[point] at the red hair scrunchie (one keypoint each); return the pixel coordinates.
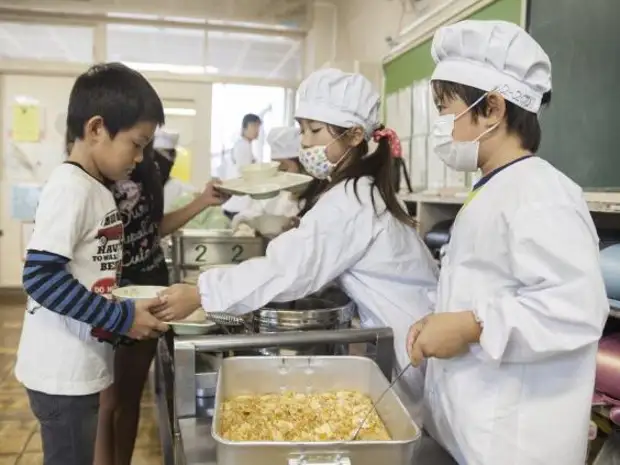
(395, 147)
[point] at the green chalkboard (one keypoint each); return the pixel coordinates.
(581, 127)
(417, 63)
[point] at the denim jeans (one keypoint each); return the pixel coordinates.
(68, 427)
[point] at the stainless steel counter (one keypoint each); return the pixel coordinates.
(186, 438)
(198, 445)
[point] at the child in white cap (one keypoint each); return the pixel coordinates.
(357, 232)
(270, 217)
(165, 146)
(521, 303)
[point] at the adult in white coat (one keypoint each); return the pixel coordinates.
(242, 155)
(357, 232)
(271, 216)
(521, 302)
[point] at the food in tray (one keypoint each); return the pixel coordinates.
(291, 416)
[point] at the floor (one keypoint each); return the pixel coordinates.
(20, 442)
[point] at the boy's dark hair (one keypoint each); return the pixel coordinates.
(117, 93)
(521, 122)
(249, 119)
(377, 165)
(149, 175)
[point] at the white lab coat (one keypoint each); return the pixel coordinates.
(380, 263)
(241, 156)
(524, 255)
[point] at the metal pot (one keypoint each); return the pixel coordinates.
(307, 314)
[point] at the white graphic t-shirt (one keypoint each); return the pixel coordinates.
(76, 218)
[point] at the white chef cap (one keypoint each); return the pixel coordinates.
(285, 143)
(493, 55)
(165, 140)
(342, 99)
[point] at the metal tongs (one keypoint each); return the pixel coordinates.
(226, 320)
(374, 404)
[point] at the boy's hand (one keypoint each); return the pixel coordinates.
(177, 302)
(442, 335)
(145, 325)
(210, 196)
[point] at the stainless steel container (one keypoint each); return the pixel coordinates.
(251, 375)
(307, 314)
(303, 315)
(193, 248)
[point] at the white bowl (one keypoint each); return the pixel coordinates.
(256, 172)
(184, 328)
(137, 292)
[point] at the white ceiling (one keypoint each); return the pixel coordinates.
(226, 53)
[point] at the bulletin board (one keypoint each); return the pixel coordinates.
(580, 127)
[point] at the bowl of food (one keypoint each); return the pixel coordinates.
(137, 292)
(257, 172)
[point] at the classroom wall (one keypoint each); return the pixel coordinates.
(320, 44)
(363, 26)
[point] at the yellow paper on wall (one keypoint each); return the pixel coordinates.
(181, 169)
(26, 124)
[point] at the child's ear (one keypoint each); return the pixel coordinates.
(94, 129)
(355, 136)
(496, 108)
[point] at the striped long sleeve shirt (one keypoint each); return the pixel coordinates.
(48, 282)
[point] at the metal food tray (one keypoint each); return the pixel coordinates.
(252, 375)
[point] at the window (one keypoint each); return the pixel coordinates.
(150, 48)
(230, 103)
(46, 42)
(191, 50)
(253, 55)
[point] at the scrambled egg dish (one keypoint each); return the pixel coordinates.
(328, 416)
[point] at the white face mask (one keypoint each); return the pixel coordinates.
(458, 155)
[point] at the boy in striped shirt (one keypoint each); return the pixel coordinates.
(73, 258)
